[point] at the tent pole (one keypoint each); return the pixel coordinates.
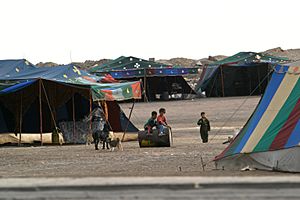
(222, 80)
(145, 86)
(259, 85)
(90, 125)
(41, 112)
(21, 118)
(73, 113)
(129, 117)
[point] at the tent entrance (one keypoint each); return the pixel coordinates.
(230, 80)
(165, 87)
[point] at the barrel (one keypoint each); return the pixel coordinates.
(153, 140)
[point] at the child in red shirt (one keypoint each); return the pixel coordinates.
(162, 121)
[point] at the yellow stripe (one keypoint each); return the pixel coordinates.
(281, 95)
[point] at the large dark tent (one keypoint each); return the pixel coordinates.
(39, 99)
(242, 74)
(158, 79)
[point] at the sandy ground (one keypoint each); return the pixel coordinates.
(183, 159)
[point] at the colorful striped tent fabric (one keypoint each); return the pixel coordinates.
(271, 137)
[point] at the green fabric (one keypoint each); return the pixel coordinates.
(250, 57)
(120, 91)
(123, 63)
(282, 116)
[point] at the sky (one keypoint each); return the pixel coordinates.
(62, 31)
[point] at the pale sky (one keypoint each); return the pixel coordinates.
(52, 30)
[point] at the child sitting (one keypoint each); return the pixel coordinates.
(151, 122)
(162, 121)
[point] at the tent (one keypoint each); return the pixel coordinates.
(242, 74)
(157, 78)
(271, 137)
(38, 99)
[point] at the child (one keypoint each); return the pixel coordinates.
(151, 122)
(162, 121)
(204, 127)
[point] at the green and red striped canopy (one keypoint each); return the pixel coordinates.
(275, 123)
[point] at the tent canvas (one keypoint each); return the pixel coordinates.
(242, 74)
(157, 78)
(270, 139)
(32, 96)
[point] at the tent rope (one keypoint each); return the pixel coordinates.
(237, 109)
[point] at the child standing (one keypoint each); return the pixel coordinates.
(162, 121)
(204, 127)
(151, 122)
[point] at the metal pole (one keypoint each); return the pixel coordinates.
(41, 112)
(222, 80)
(129, 117)
(74, 123)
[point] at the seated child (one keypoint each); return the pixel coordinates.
(162, 121)
(151, 122)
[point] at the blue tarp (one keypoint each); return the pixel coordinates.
(65, 73)
(11, 68)
(17, 87)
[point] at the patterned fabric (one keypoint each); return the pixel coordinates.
(130, 67)
(275, 124)
(21, 73)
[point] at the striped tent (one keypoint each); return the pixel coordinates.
(271, 137)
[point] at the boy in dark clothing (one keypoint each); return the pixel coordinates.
(151, 122)
(204, 127)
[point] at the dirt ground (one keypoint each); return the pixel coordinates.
(183, 159)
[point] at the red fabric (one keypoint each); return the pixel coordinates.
(287, 129)
(161, 119)
(136, 90)
(109, 79)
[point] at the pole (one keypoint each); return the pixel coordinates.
(222, 80)
(41, 112)
(129, 117)
(74, 123)
(21, 118)
(90, 125)
(145, 86)
(258, 74)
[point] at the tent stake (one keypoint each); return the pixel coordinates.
(202, 163)
(41, 112)
(123, 137)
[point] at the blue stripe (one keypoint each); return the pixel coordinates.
(294, 138)
(16, 87)
(270, 92)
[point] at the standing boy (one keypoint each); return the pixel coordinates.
(204, 127)
(162, 121)
(151, 122)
